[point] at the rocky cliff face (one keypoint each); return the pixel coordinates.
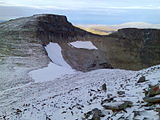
(149, 44)
(53, 28)
(132, 48)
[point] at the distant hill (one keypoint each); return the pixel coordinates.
(107, 29)
(97, 29)
(1, 21)
(136, 25)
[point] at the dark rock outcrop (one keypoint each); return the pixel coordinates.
(155, 99)
(153, 90)
(54, 28)
(95, 113)
(142, 79)
(132, 48)
(153, 94)
(84, 59)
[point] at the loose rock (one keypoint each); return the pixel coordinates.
(96, 114)
(121, 92)
(118, 106)
(104, 87)
(153, 90)
(142, 79)
(155, 99)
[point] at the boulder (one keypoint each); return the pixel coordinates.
(142, 79)
(153, 90)
(104, 87)
(121, 92)
(155, 99)
(157, 109)
(108, 100)
(95, 113)
(118, 106)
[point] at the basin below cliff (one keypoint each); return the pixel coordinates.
(23, 42)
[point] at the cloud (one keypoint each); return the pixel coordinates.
(14, 12)
(78, 9)
(1, 2)
(84, 4)
(136, 7)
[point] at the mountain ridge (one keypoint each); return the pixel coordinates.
(142, 25)
(45, 28)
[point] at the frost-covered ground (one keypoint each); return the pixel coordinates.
(70, 95)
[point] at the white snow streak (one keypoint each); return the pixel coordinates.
(83, 44)
(54, 53)
(57, 69)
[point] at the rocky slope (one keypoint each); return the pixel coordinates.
(22, 44)
(98, 95)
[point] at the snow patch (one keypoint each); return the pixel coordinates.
(49, 73)
(83, 44)
(54, 53)
(55, 69)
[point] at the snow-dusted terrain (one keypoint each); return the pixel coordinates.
(70, 96)
(83, 44)
(61, 93)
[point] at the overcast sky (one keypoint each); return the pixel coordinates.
(86, 11)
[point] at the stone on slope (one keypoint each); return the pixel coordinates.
(120, 92)
(107, 100)
(104, 87)
(153, 94)
(153, 90)
(117, 106)
(95, 114)
(141, 79)
(155, 99)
